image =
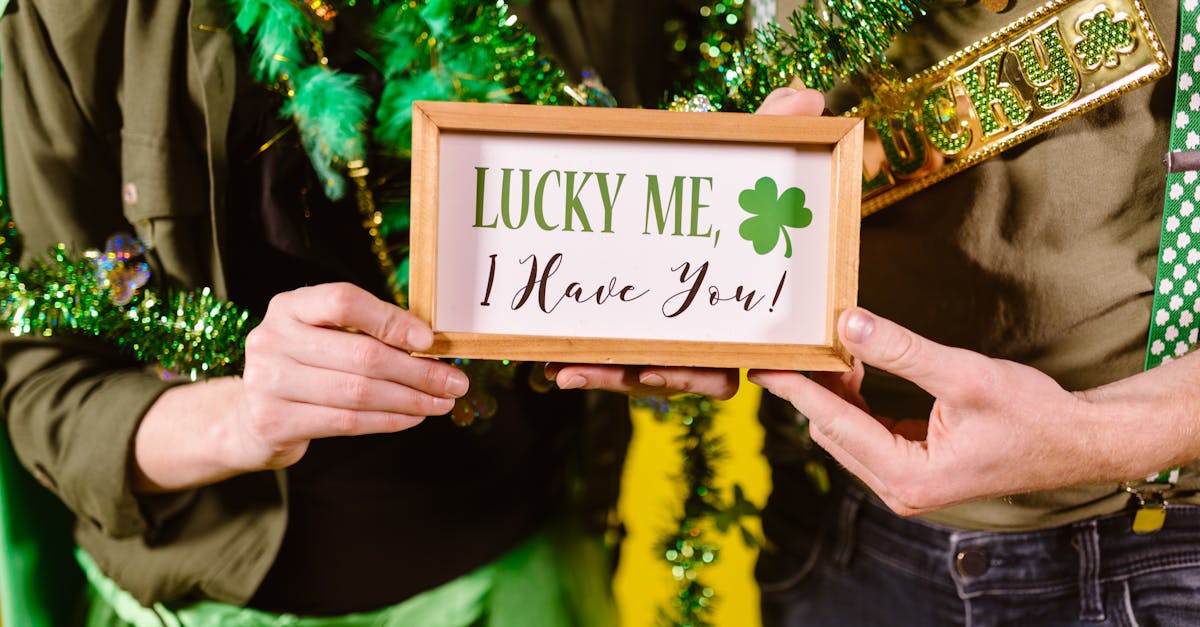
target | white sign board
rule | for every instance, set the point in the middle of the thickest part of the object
(623, 236)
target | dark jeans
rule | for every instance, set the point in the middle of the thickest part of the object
(877, 569)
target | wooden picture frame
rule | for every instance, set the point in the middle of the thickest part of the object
(837, 139)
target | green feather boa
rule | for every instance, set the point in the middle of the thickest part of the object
(486, 57)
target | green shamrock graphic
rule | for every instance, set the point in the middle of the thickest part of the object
(1104, 40)
(773, 213)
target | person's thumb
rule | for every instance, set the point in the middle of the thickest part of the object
(791, 101)
(879, 342)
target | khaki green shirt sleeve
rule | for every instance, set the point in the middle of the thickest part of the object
(71, 406)
(97, 94)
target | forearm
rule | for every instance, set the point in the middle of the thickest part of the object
(187, 438)
(1156, 414)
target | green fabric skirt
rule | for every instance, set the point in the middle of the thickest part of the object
(548, 581)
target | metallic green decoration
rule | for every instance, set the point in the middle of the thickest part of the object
(905, 153)
(703, 44)
(1104, 41)
(882, 179)
(190, 334)
(985, 89)
(832, 41)
(706, 508)
(1058, 80)
(939, 116)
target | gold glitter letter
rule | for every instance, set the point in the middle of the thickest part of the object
(986, 91)
(939, 115)
(1047, 65)
(905, 151)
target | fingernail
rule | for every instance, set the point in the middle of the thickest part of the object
(859, 326)
(443, 405)
(574, 382)
(652, 380)
(457, 385)
(420, 338)
(797, 83)
(552, 371)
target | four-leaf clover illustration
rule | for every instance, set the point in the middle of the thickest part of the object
(773, 213)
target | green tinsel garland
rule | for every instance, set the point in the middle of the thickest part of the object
(832, 41)
(697, 48)
(190, 334)
(687, 549)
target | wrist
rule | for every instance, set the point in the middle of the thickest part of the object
(187, 438)
(1144, 429)
(232, 453)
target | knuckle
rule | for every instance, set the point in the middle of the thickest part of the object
(834, 427)
(400, 422)
(260, 340)
(680, 384)
(790, 393)
(813, 101)
(343, 421)
(770, 104)
(394, 325)
(433, 406)
(279, 303)
(987, 375)
(340, 300)
(252, 377)
(912, 494)
(819, 436)
(262, 422)
(902, 351)
(273, 379)
(900, 508)
(358, 391)
(729, 386)
(367, 356)
(972, 387)
(434, 378)
(260, 377)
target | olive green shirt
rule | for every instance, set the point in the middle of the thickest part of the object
(1045, 255)
(115, 117)
(112, 119)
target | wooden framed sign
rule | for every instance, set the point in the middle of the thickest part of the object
(634, 237)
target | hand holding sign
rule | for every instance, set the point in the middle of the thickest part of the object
(996, 427)
(772, 214)
(328, 360)
(333, 360)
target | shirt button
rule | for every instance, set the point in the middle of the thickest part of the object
(129, 193)
(972, 562)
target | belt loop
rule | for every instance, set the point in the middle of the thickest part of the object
(1091, 601)
(847, 525)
